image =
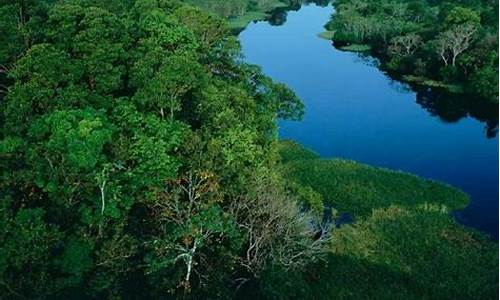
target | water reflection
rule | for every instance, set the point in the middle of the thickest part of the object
(449, 108)
(453, 108)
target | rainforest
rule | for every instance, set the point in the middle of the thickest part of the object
(248, 149)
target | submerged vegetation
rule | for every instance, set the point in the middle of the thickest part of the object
(439, 41)
(139, 159)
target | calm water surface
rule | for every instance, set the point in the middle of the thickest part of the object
(355, 111)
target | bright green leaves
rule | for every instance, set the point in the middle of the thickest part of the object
(175, 77)
(462, 15)
(288, 105)
(223, 106)
(163, 33)
(167, 66)
(240, 149)
(218, 48)
(152, 162)
(179, 75)
(66, 149)
(211, 31)
(63, 23)
(160, 35)
(75, 138)
(149, 147)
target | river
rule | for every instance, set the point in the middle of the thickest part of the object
(355, 111)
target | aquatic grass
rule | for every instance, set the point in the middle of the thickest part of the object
(432, 256)
(327, 35)
(356, 48)
(291, 151)
(398, 253)
(419, 80)
(357, 188)
(403, 244)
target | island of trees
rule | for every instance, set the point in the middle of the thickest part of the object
(139, 160)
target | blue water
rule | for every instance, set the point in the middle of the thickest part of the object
(354, 111)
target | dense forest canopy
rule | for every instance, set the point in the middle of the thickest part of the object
(137, 155)
(139, 159)
(450, 44)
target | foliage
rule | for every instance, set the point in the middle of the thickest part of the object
(128, 131)
(424, 252)
(138, 159)
(403, 244)
(356, 48)
(240, 13)
(290, 151)
(439, 40)
(327, 35)
(399, 253)
(357, 188)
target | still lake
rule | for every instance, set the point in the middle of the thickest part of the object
(355, 111)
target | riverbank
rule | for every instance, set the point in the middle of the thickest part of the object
(444, 46)
(415, 81)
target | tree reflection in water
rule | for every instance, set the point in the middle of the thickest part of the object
(452, 108)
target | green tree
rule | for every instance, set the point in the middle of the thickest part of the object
(462, 15)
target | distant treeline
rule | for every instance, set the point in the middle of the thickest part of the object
(235, 8)
(241, 12)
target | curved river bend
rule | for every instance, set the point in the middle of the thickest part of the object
(354, 111)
